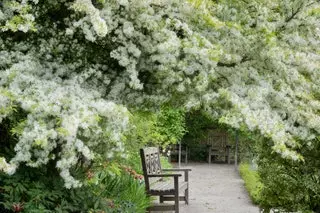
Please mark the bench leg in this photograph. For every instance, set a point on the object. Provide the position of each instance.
(176, 203)
(186, 196)
(161, 199)
(176, 195)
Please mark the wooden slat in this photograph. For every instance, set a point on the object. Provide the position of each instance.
(162, 207)
(171, 198)
(167, 186)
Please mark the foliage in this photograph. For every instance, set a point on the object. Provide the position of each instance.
(159, 128)
(35, 192)
(290, 185)
(247, 142)
(197, 123)
(125, 190)
(69, 71)
(107, 190)
(252, 182)
(199, 152)
(142, 132)
(165, 163)
(266, 61)
(171, 125)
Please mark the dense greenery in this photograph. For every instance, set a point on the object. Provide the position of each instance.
(290, 185)
(162, 128)
(277, 183)
(197, 124)
(108, 188)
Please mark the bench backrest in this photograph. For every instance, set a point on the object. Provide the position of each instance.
(150, 159)
(217, 141)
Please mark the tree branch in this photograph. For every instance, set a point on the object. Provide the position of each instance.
(294, 13)
(291, 17)
(221, 64)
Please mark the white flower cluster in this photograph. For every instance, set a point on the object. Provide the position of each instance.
(268, 71)
(92, 16)
(10, 169)
(61, 114)
(17, 16)
(250, 65)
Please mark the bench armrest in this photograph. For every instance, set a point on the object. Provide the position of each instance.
(186, 172)
(165, 175)
(176, 170)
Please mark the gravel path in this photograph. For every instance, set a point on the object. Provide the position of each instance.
(216, 188)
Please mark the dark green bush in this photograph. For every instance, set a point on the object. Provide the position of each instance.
(108, 189)
(290, 185)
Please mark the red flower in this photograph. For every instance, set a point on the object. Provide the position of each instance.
(17, 207)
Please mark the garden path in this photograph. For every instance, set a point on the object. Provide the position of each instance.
(216, 188)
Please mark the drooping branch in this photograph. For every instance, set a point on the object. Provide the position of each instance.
(293, 14)
(291, 17)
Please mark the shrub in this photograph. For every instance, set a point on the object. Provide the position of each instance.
(108, 189)
(252, 182)
(122, 185)
(289, 185)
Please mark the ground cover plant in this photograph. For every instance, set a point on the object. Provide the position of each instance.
(252, 181)
(72, 73)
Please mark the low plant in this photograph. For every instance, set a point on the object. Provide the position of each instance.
(122, 185)
(251, 181)
(108, 188)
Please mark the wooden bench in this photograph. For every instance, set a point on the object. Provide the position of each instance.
(218, 146)
(217, 152)
(165, 185)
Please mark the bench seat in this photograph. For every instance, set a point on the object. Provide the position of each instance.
(166, 187)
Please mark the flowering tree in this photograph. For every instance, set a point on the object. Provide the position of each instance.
(73, 67)
(268, 70)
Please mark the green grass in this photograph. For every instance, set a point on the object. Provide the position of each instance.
(252, 182)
